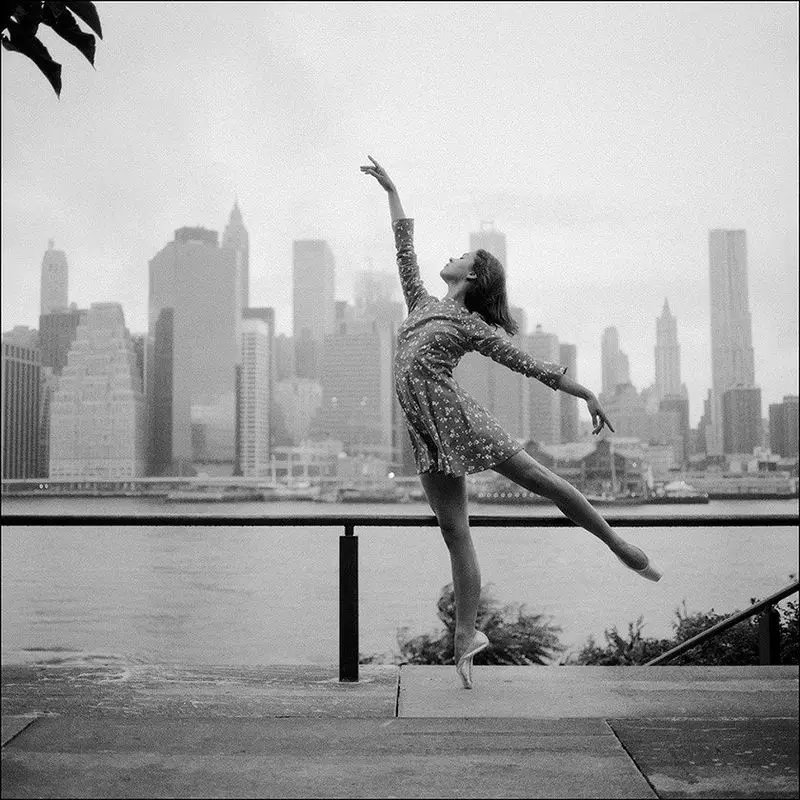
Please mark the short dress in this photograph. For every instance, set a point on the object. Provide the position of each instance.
(450, 432)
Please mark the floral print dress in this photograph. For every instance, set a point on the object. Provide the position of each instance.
(450, 432)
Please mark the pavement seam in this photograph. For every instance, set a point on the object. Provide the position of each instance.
(631, 757)
(21, 730)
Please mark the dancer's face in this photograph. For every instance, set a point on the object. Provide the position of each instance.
(458, 268)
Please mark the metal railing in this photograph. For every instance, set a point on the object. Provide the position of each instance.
(348, 552)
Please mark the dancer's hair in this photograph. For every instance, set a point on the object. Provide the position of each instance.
(487, 293)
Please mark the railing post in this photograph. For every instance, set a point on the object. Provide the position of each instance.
(348, 604)
(769, 636)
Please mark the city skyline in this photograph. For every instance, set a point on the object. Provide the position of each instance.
(603, 159)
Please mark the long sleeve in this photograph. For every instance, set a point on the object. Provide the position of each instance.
(485, 340)
(413, 289)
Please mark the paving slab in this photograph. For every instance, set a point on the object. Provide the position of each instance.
(296, 757)
(177, 690)
(604, 692)
(731, 758)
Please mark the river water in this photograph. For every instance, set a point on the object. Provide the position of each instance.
(246, 595)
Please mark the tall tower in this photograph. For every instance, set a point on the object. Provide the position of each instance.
(490, 239)
(568, 357)
(236, 238)
(615, 365)
(255, 397)
(193, 353)
(54, 280)
(731, 327)
(545, 405)
(313, 273)
(668, 354)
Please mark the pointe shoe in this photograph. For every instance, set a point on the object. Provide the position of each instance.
(649, 571)
(464, 667)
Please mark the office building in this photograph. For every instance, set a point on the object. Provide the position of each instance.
(615, 365)
(54, 281)
(490, 239)
(313, 285)
(299, 400)
(236, 238)
(57, 330)
(255, 397)
(731, 328)
(20, 404)
(741, 419)
(545, 404)
(783, 420)
(667, 355)
(568, 357)
(97, 421)
(193, 355)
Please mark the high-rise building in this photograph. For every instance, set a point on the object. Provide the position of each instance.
(490, 239)
(358, 401)
(54, 281)
(668, 355)
(374, 298)
(20, 400)
(57, 331)
(783, 423)
(678, 404)
(568, 357)
(741, 419)
(255, 397)
(236, 238)
(731, 329)
(313, 285)
(97, 421)
(545, 405)
(299, 400)
(615, 365)
(284, 357)
(193, 355)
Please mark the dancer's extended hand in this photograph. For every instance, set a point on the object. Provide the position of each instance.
(380, 174)
(599, 418)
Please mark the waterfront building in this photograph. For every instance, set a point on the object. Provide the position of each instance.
(57, 330)
(731, 329)
(313, 284)
(783, 423)
(667, 355)
(236, 238)
(97, 419)
(568, 357)
(545, 404)
(741, 419)
(193, 354)
(20, 404)
(678, 404)
(299, 400)
(358, 401)
(615, 364)
(254, 412)
(490, 239)
(54, 281)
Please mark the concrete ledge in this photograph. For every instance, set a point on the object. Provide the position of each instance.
(603, 692)
(177, 691)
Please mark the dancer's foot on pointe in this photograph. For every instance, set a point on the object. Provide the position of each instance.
(630, 555)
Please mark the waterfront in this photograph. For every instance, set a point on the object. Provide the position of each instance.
(211, 595)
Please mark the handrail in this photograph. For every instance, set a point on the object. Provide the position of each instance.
(348, 548)
(717, 629)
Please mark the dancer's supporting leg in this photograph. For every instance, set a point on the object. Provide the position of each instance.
(447, 495)
(530, 474)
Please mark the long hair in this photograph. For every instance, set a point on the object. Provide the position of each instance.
(487, 293)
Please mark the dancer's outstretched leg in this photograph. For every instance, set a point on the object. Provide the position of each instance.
(447, 495)
(530, 474)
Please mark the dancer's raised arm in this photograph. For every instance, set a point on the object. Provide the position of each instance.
(413, 289)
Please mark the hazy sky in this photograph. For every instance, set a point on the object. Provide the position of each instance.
(604, 140)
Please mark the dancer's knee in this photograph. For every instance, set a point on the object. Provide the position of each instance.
(454, 532)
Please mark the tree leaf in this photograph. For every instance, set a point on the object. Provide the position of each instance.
(31, 47)
(56, 16)
(85, 10)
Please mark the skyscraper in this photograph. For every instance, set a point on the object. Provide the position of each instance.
(741, 419)
(783, 424)
(193, 353)
(545, 405)
(490, 239)
(20, 398)
(313, 279)
(731, 339)
(615, 366)
(236, 238)
(255, 397)
(54, 280)
(568, 357)
(97, 422)
(667, 354)
(57, 330)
